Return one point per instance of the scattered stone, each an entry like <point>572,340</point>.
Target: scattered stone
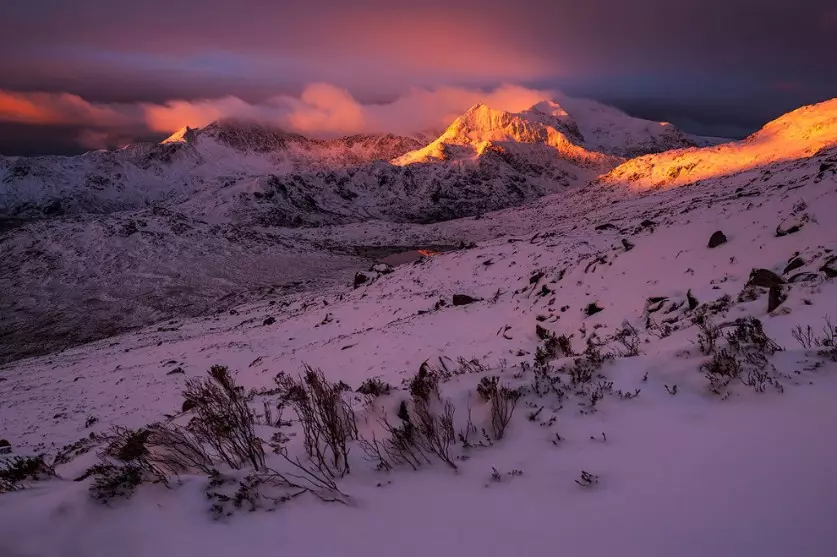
<point>794,264</point>
<point>382,268</point>
<point>775,298</point>
<point>627,245</point>
<point>536,277</point>
<point>175,371</point>
<point>765,278</point>
<point>717,239</point>
<point>187,405</point>
<point>606,226</point>
<point>803,277</point>
<point>592,309</point>
<point>360,278</point>
<point>463,300</point>
<point>647,223</point>
<point>791,230</point>
<point>5,446</point>
<point>269,321</point>
<point>693,302</point>
<point>826,268</point>
<point>542,332</point>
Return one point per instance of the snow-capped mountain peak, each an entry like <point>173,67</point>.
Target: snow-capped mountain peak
<point>185,134</point>
<point>795,135</point>
<point>480,128</point>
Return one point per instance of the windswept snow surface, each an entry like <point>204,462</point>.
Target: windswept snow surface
<point>685,474</point>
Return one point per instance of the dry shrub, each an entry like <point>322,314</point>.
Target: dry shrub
<point>223,419</point>
<point>628,338</point>
<point>17,471</point>
<point>327,420</point>
<point>826,344</point>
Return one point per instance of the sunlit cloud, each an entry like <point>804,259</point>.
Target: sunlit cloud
<point>321,110</point>
<point>59,108</point>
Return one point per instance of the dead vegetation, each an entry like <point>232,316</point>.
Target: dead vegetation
<point>824,344</point>
<point>745,357</point>
<point>327,420</point>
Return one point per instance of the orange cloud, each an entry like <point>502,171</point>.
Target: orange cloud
<point>57,108</point>
<point>321,110</point>
<point>326,110</point>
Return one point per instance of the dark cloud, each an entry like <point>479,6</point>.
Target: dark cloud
<point>706,64</point>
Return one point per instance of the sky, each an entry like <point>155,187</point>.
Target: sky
<point>87,74</point>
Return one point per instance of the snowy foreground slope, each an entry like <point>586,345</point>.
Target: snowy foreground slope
<point>583,468</point>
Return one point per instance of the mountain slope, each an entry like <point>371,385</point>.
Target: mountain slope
<point>795,135</point>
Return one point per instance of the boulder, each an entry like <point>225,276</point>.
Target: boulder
<point>717,239</point>
<point>794,264</point>
<point>765,278</point>
<point>463,299</point>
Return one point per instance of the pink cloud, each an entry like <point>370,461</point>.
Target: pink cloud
<point>321,110</point>
<point>59,108</point>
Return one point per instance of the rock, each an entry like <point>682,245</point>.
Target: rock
<point>826,268</point>
<point>717,239</point>
<point>592,309</point>
<point>794,264</point>
<point>647,223</point>
<point>802,277</point>
<point>775,298</point>
<point>693,302</point>
<point>627,245</point>
<point>542,332</point>
<point>187,405</point>
<point>360,278</point>
<point>535,278</point>
<point>463,299</point>
<point>382,268</point>
<point>765,278</point>
<point>606,226</point>
<point>269,321</point>
<point>175,371</point>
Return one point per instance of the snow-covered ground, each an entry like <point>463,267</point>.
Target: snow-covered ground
<point>677,470</point>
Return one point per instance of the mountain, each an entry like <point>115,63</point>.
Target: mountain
<point>245,172</point>
<point>799,134</point>
<point>188,162</point>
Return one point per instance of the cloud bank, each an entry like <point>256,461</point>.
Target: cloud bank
<point>321,110</point>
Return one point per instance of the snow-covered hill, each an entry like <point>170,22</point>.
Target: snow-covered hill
<point>795,135</point>
<point>188,162</point>
<point>691,440</point>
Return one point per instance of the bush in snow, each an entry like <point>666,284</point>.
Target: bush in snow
<point>628,337</point>
<point>374,387</point>
<point>748,349</point>
<point>503,402</point>
<point>15,472</point>
<point>223,419</point>
<point>826,344</point>
<point>327,420</point>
